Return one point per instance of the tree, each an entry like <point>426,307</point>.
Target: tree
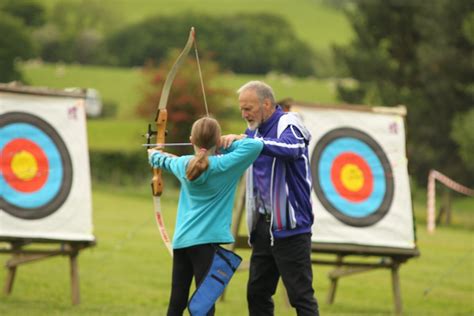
<point>232,40</point>
<point>29,11</point>
<point>463,135</point>
<point>15,43</point>
<point>75,32</point>
<point>185,103</point>
<point>416,53</point>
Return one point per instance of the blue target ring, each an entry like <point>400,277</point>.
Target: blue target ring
<point>48,191</point>
<point>36,136</point>
<point>368,207</point>
<point>329,154</point>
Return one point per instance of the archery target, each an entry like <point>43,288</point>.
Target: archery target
<point>361,191</point>
<point>352,177</point>
<point>36,168</point>
<point>44,167</point>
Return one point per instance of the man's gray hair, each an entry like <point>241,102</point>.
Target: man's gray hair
<point>263,90</point>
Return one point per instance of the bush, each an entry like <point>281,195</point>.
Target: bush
<point>463,135</point>
<point>123,168</point>
<point>185,103</point>
<point>29,11</point>
<point>52,46</point>
<point>251,43</point>
<point>109,109</point>
<point>118,167</point>
<point>15,42</point>
<point>75,32</point>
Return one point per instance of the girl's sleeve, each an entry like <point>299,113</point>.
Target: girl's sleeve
<point>241,154</point>
<point>165,161</point>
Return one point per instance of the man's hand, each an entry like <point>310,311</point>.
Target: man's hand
<point>227,140</point>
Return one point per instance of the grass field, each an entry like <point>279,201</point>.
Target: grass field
<point>128,273</point>
<point>122,85</point>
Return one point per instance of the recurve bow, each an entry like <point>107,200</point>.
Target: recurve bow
<point>161,118</point>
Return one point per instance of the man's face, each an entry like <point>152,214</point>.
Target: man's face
<point>254,112</point>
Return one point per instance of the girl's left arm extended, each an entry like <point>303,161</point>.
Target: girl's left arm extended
<point>163,160</point>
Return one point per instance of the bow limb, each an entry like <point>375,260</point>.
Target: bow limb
<point>165,92</point>
<point>157,182</point>
<point>161,119</point>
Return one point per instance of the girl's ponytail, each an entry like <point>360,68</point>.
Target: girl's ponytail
<point>205,135</point>
<point>197,165</point>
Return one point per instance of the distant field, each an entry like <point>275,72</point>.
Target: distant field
<point>122,87</point>
<point>315,23</point>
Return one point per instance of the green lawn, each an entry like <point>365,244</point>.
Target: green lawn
<point>128,273</point>
<point>118,85</point>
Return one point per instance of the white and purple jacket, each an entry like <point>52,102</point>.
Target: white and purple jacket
<point>281,176</point>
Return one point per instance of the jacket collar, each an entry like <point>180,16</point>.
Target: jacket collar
<point>271,121</point>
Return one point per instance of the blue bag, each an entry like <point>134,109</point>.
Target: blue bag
<point>222,269</point>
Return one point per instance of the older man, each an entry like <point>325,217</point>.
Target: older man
<point>279,212</point>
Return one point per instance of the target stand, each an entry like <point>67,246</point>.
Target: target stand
<point>45,189</point>
<point>26,251</point>
<point>361,199</point>
<point>346,265</point>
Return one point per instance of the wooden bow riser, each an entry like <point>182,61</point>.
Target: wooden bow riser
<point>157,181</point>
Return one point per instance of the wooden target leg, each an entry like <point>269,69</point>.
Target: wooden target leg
<point>332,290</point>
<point>397,298</point>
<point>10,280</point>
<point>75,294</point>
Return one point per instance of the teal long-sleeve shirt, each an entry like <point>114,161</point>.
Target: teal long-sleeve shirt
<point>205,204</point>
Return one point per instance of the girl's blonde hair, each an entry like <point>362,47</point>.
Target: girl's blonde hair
<point>205,134</point>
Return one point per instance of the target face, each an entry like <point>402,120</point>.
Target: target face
<point>35,167</point>
<point>352,177</point>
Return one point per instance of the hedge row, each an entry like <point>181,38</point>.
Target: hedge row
<point>118,167</point>
<point>243,43</point>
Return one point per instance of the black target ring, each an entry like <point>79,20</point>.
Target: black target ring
<point>376,201</point>
<point>33,202</point>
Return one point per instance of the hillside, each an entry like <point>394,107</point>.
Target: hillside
<point>314,22</point>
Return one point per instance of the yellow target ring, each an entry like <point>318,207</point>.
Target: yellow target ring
<point>352,177</point>
<point>24,165</point>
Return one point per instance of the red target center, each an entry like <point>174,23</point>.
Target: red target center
<point>352,177</point>
<point>24,165</point>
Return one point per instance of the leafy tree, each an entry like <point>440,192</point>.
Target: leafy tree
<point>185,103</point>
<point>151,39</point>
<point>75,32</point>
<point>232,41</point>
<point>15,43</point>
<point>52,46</point>
<point>76,16</point>
<point>463,135</point>
<point>417,53</point>
<point>30,12</point>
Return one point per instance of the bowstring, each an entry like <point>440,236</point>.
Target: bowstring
<point>200,77</point>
